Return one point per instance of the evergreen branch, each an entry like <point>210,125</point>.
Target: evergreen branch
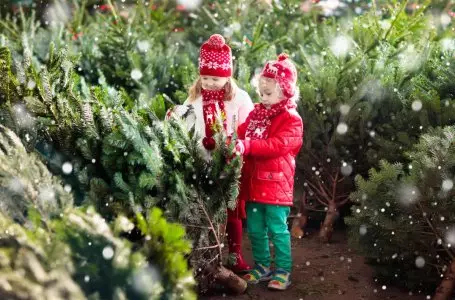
<point>113,8</point>
<point>403,6</point>
<point>376,41</point>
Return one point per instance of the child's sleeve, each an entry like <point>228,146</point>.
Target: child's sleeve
<point>241,130</point>
<point>288,139</point>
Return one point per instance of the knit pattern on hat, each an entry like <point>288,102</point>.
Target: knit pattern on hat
<point>284,72</point>
<point>215,57</point>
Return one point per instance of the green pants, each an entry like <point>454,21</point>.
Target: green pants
<point>264,219</point>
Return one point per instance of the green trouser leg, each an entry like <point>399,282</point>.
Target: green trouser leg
<point>263,218</point>
<point>257,232</point>
<point>276,219</point>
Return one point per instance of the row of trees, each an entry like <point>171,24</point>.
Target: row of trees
<point>371,86</point>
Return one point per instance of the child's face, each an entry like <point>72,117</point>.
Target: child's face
<point>269,91</point>
<point>213,83</point>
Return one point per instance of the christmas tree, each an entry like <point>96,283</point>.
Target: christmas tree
<point>114,150</point>
<point>401,221</point>
<point>64,249</point>
<point>368,99</point>
<point>86,85</point>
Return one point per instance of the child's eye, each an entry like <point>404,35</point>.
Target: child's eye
<point>215,79</point>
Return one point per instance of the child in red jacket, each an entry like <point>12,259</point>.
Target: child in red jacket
<point>269,140</point>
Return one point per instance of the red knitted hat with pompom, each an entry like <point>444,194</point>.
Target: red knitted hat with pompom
<point>215,58</point>
<point>284,72</point>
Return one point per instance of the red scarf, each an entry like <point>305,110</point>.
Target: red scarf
<point>213,108</point>
<point>261,118</point>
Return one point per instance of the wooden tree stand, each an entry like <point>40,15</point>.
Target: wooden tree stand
<point>228,279</point>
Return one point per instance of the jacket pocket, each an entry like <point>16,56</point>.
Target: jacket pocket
<point>270,176</point>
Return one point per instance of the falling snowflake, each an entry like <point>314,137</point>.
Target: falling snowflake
<point>342,128</point>
<point>447,184</point>
<point>108,252</point>
<point>67,168</point>
<point>67,188</point>
<point>346,169</point>
<point>145,281</point>
<point>189,4</point>
<point>410,59</point>
<point>420,262</point>
<point>408,194</point>
<point>143,46</point>
<point>136,74</point>
<point>448,44</point>
<point>340,46</point>
<point>57,13</point>
<point>363,229</point>
<point>344,109</point>
<point>450,235</point>
<point>416,105</point>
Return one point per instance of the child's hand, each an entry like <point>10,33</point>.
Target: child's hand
<point>242,147</point>
<point>239,147</point>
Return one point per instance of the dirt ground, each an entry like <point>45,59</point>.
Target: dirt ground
<point>323,271</point>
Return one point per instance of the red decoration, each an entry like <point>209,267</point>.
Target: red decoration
<point>77,35</point>
<point>209,143</point>
<point>105,7</point>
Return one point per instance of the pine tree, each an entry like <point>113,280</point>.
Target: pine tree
<point>366,99</point>
<point>68,250</point>
<point>145,55</point>
<point>116,155</point>
<point>401,221</point>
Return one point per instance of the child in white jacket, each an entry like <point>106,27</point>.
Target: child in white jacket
<point>216,103</point>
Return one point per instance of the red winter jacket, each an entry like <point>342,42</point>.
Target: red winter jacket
<point>269,168</point>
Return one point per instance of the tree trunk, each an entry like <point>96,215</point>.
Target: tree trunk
<point>299,222</point>
<point>445,288</point>
<point>325,233</point>
<point>228,279</point>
